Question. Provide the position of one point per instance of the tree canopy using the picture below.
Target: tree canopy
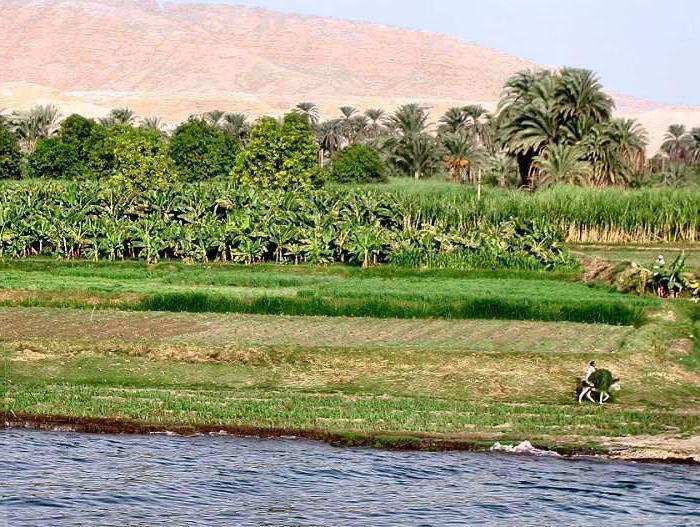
(200, 150)
(279, 154)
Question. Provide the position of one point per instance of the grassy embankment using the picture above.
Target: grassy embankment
(431, 383)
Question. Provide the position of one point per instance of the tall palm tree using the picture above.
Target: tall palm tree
(237, 125)
(540, 109)
(121, 116)
(563, 164)
(477, 120)
(580, 95)
(375, 126)
(330, 138)
(631, 140)
(695, 133)
(347, 111)
(677, 144)
(214, 117)
(154, 123)
(417, 154)
(462, 156)
(454, 121)
(310, 111)
(409, 120)
(411, 149)
(35, 124)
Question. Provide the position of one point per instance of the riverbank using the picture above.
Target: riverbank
(389, 383)
(640, 450)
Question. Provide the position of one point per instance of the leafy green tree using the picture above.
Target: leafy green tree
(200, 150)
(358, 164)
(81, 133)
(54, 158)
(10, 154)
(134, 158)
(279, 154)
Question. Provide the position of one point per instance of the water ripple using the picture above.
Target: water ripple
(73, 479)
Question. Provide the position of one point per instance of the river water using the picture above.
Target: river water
(67, 479)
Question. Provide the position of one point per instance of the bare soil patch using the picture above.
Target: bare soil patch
(252, 331)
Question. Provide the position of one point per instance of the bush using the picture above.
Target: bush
(52, 158)
(358, 164)
(10, 155)
(200, 150)
(279, 154)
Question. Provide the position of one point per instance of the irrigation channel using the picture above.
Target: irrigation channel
(53, 478)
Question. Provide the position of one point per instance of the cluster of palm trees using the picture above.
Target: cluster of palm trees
(549, 127)
(558, 126)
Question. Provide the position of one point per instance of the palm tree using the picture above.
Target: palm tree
(154, 123)
(461, 156)
(580, 95)
(347, 111)
(454, 121)
(409, 120)
(214, 117)
(563, 164)
(541, 109)
(476, 116)
(695, 133)
(411, 149)
(310, 111)
(330, 138)
(631, 140)
(375, 123)
(35, 124)
(120, 116)
(416, 154)
(236, 125)
(677, 143)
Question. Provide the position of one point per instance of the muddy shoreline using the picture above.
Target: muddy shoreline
(387, 441)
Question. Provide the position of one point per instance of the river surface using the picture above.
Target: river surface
(57, 479)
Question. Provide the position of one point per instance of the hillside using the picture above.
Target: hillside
(175, 60)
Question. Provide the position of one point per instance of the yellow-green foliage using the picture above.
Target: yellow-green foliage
(279, 154)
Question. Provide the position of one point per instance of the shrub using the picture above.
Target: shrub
(200, 150)
(10, 155)
(279, 154)
(52, 158)
(358, 164)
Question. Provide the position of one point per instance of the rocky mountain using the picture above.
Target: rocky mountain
(175, 60)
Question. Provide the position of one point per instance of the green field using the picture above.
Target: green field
(372, 379)
(308, 290)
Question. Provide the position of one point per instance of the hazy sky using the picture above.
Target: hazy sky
(647, 48)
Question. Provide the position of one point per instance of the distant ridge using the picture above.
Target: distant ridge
(173, 60)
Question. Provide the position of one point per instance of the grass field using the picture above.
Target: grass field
(460, 380)
(307, 290)
(447, 375)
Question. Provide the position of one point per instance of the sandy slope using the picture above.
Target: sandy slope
(90, 55)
